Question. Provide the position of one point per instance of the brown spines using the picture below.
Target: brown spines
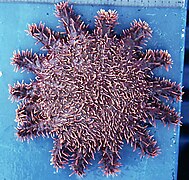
(110, 161)
(137, 35)
(27, 61)
(76, 146)
(84, 146)
(165, 88)
(135, 133)
(145, 142)
(157, 110)
(60, 154)
(44, 35)
(105, 22)
(80, 161)
(71, 22)
(29, 120)
(22, 91)
(110, 142)
(157, 58)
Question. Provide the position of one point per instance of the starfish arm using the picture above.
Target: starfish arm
(137, 35)
(110, 160)
(165, 88)
(21, 91)
(81, 158)
(30, 121)
(157, 58)
(75, 145)
(84, 145)
(27, 60)
(72, 23)
(157, 110)
(105, 22)
(145, 142)
(45, 35)
(60, 153)
(139, 137)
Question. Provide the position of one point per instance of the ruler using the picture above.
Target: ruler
(144, 3)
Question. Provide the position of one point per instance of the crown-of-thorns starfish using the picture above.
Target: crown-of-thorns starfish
(93, 90)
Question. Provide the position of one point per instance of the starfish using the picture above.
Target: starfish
(93, 90)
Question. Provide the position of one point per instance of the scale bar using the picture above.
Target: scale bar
(144, 3)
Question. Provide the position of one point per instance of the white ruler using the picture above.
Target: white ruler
(145, 3)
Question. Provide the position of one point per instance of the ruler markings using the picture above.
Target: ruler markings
(147, 3)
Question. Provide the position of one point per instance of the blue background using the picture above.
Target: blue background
(32, 160)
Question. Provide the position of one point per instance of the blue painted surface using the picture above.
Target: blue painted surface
(31, 160)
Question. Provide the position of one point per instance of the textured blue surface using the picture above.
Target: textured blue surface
(31, 160)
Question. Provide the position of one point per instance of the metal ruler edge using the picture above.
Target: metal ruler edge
(143, 3)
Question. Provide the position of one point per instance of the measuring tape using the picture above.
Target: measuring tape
(144, 3)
